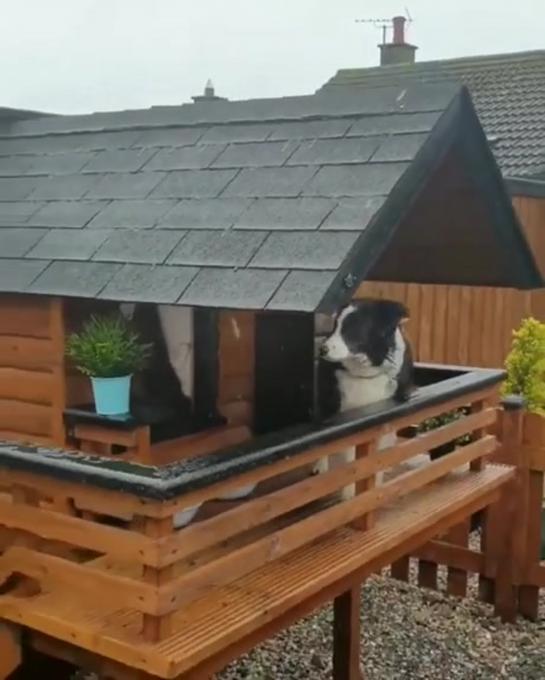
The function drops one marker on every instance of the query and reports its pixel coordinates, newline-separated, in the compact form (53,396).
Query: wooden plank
(400,569)
(100,586)
(25,315)
(55,526)
(536,575)
(451,555)
(439,326)
(456,577)
(113,503)
(346,636)
(24,385)
(426,323)
(237,412)
(202,443)
(273,546)
(58,392)
(197,537)
(476,327)
(28,353)
(304,458)
(427,574)
(105,435)
(158,627)
(365,450)
(464,326)
(26,418)
(11,655)
(528,591)
(237,388)
(413,305)
(453,312)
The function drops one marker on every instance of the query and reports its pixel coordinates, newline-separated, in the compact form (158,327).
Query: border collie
(366,359)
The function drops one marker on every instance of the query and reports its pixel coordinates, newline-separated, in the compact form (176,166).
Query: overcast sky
(85,55)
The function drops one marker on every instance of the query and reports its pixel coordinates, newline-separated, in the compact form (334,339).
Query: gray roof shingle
(255,204)
(508,91)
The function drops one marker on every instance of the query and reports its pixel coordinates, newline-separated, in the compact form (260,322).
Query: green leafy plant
(107,347)
(525,365)
(445,419)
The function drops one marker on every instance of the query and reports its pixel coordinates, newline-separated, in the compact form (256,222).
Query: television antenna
(385,24)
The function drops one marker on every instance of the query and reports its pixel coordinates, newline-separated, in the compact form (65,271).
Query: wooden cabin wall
(31,369)
(531,213)
(236,366)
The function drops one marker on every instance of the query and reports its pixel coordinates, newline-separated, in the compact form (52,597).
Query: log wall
(31,369)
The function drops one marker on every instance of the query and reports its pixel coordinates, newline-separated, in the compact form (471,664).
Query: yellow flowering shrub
(525,365)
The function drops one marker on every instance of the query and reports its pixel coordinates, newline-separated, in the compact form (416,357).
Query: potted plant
(109,351)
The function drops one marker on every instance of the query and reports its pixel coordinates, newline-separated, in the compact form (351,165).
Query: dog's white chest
(356,392)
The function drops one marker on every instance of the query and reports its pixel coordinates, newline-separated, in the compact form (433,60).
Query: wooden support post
(58,393)
(427,574)
(400,569)
(346,636)
(505,545)
(11,655)
(528,593)
(457,578)
(156,628)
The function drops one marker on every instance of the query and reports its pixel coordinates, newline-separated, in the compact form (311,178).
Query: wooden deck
(231,619)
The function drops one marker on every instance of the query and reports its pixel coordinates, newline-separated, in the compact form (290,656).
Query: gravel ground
(407,633)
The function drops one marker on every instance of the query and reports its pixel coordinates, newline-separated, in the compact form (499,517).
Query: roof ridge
(481,59)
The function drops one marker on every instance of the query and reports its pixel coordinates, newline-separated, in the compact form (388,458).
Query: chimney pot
(399,30)
(398,51)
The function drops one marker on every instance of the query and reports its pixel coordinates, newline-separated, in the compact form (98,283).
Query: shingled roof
(264,204)
(508,91)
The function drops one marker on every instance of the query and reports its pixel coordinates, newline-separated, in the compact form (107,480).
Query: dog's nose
(323,350)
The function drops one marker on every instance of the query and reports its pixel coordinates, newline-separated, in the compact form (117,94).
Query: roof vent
(209,94)
(398,51)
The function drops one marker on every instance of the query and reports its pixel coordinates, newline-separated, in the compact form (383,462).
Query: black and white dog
(366,359)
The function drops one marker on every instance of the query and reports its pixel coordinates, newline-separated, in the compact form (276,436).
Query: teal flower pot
(112,395)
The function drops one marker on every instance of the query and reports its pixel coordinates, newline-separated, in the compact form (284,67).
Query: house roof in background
(508,91)
(264,204)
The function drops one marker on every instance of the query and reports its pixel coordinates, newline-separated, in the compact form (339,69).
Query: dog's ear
(393,313)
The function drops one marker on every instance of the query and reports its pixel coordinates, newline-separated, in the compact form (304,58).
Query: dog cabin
(230,233)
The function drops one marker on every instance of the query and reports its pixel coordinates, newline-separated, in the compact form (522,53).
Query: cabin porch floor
(217,628)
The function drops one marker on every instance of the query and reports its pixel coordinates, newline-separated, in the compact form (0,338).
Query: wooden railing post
(504,540)
(156,628)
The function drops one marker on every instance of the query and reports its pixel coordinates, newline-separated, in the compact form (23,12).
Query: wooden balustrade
(88,547)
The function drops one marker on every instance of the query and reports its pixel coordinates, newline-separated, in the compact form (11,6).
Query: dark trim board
(164,483)
(520,186)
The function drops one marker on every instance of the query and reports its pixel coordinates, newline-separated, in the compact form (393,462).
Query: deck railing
(105,530)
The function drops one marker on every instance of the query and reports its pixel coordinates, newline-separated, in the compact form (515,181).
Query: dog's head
(365,330)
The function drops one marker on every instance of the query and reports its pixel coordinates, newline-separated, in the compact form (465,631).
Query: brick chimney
(209,94)
(398,51)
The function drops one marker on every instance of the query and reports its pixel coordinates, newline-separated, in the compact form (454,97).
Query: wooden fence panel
(461,325)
